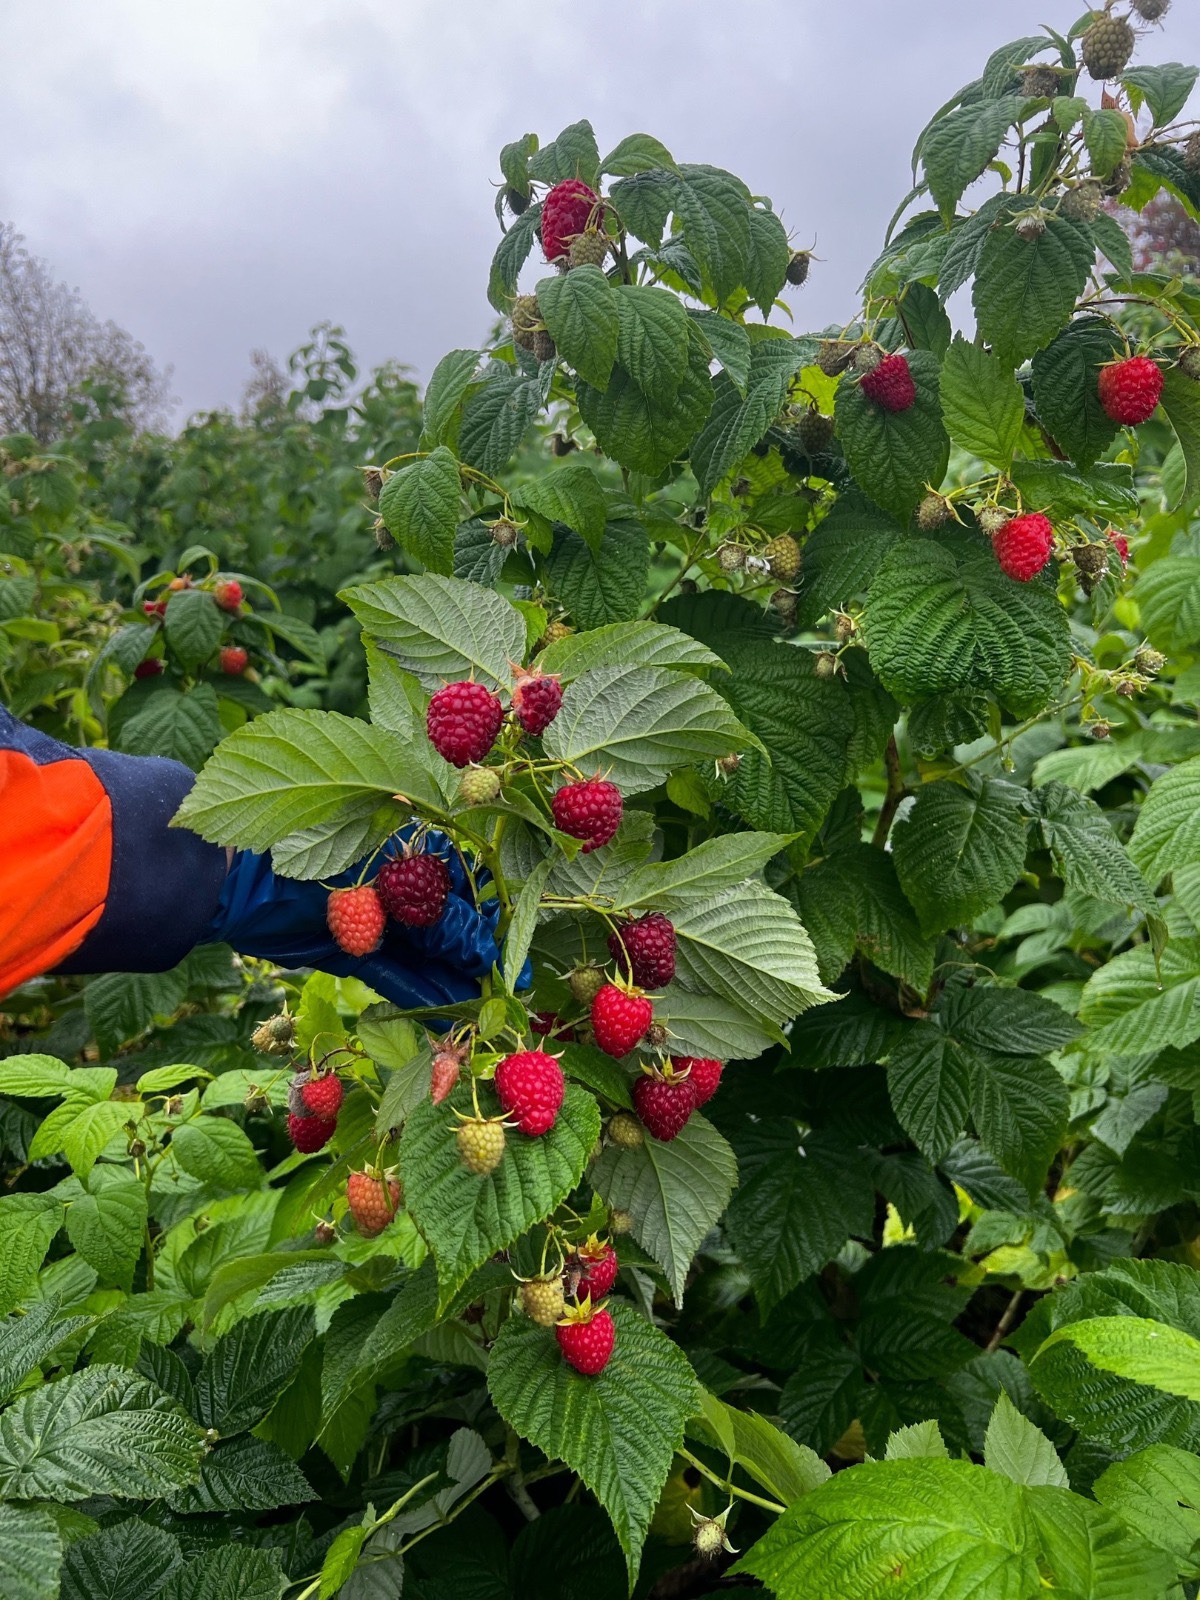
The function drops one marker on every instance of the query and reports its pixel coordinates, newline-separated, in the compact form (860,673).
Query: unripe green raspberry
(542,1300)
(619,1220)
(478,786)
(797,267)
(587,249)
(1039,83)
(1107,46)
(834,355)
(827,664)
(866,357)
(932,513)
(732,557)
(526,320)
(625,1131)
(814,431)
(1189,362)
(585,983)
(505,533)
(783,556)
(1148,661)
(1191,153)
(1082,203)
(383,538)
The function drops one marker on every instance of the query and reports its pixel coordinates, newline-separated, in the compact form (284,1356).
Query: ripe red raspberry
(587,1344)
(644,950)
(704,1075)
(536,701)
(599,1263)
(1023,545)
(590,811)
(310,1133)
(1129,390)
(355,919)
(620,1018)
(529,1085)
(414,889)
(228,594)
(323,1096)
(891,384)
(234,660)
(664,1102)
(1121,544)
(569,208)
(548,1023)
(462,721)
(154,608)
(150,668)
(372,1198)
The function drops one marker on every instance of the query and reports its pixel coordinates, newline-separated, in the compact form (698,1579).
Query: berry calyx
(323,1096)
(536,700)
(228,594)
(598,1263)
(586,1336)
(704,1075)
(890,384)
(462,722)
(620,1018)
(590,811)
(542,1300)
(569,208)
(413,890)
(234,660)
(644,950)
(309,1134)
(665,1099)
(372,1198)
(529,1085)
(356,919)
(480,1143)
(1130,390)
(1023,545)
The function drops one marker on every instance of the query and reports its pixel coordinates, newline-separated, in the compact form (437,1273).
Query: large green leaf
(292,770)
(604,586)
(495,418)
(941,619)
(572,495)
(1156,1492)
(183,727)
(194,624)
(244,1474)
(956,148)
(1135,1004)
(1019,1105)
(466,1218)
(1181,402)
(713,865)
(106,1223)
(420,505)
(913,1529)
(798,1202)
(126,1558)
(639,724)
(30,1555)
(1087,853)
(929,1080)
(1018,1449)
(102,1431)
(642,433)
(784,1468)
(960,849)
(250,1366)
(652,340)
(895,454)
(444,394)
(1087,1551)
(440,628)
(843,553)
(1026,289)
(747,945)
(652,644)
(676,1192)
(738,420)
(234,1571)
(1168,597)
(1065,388)
(580,310)
(28,1223)
(1167,834)
(711,207)
(982,403)
(618,1431)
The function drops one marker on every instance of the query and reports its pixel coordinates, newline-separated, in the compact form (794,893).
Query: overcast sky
(220,174)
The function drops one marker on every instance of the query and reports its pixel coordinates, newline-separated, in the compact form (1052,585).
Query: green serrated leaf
(580,311)
(894,454)
(444,395)
(958,147)
(420,505)
(960,849)
(570,494)
(982,403)
(441,629)
(1026,289)
(736,422)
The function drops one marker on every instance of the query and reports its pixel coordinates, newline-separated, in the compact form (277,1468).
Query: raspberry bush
(817,719)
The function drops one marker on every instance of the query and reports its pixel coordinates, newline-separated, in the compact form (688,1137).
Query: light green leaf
(28,1222)
(982,403)
(705,1025)
(958,147)
(1156,1492)
(1136,1005)
(1026,289)
(444,395)
(107,1224)
(895,454)
(1166,88)
(193,624)
(85,1132)
(1167,833)
(1087,1551)
(908,1528)
(714,865)
(1106,135)
(1168,597)
(441,629)
(941,619)
(291,770)
(637,152)
(638,724)
(747,945)
(785,1469)
(30,1554)
(652,340)
(572,495)
(218,1153)
(960,849)
(675,1191)
(341,1559)
(36,1076)
(651,644)
(1136,1349)
(580,310)
(1018,1449)
(735,423)
(420,505)
(466,1218)
(619,1430)
(99,1431)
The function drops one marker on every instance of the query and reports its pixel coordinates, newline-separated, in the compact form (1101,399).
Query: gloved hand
(283,920)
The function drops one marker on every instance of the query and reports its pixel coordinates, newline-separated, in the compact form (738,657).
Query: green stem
(729,1486)
(313,1584)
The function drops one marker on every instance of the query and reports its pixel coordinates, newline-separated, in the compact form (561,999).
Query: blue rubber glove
(283,920)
